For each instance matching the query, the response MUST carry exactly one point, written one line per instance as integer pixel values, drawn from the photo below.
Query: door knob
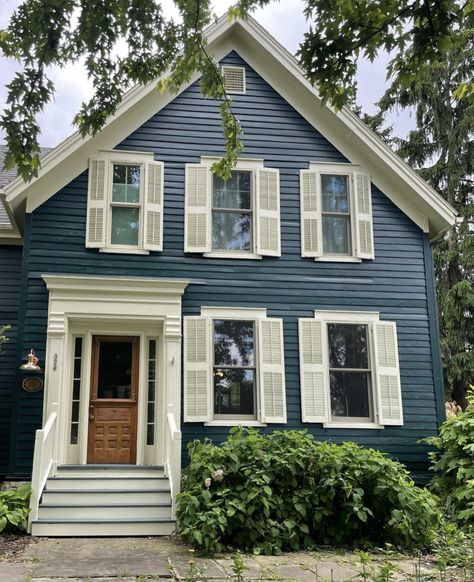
(91, 412)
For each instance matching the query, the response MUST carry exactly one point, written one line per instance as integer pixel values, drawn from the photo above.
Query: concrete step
(107, 483)
(113, 511)
(98, 527)
(105, 497)
(110, 471)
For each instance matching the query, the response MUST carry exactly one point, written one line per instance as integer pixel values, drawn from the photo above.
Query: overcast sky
(284, 20)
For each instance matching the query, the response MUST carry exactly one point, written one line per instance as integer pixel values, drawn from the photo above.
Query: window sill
(370, 425)
(235, 423)
(217, 255)
(337, 260)
(125, 251)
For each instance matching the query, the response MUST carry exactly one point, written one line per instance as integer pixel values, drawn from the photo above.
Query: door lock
(91, 412)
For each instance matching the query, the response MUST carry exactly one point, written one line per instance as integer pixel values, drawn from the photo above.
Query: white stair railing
(173, 459)
(44, 460)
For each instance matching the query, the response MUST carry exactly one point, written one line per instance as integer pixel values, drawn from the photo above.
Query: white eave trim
(343, 129)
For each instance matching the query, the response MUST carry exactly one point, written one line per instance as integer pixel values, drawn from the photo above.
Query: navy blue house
(164, 304)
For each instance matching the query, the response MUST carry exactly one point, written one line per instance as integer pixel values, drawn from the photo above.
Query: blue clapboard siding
(288, 286)
(10, 274)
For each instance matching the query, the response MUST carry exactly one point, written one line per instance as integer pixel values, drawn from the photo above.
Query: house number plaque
(32, 384)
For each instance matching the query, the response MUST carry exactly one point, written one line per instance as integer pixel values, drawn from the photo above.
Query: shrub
(14, 507)
(453, 463)
(269, 493)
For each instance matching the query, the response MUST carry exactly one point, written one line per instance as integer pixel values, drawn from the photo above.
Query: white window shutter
(363, 218)
(268, 212)
(310, 213)
(153, 207)
(197, 370)
(387, 372)
(314, 380)
(197, 218)
(271, 370)
(96, 204)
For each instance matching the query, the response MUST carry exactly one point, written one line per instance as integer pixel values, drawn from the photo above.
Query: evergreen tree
(441, 147)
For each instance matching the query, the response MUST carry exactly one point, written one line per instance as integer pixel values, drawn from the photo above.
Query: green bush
(14, 507)
(268, 493)
(453, 464)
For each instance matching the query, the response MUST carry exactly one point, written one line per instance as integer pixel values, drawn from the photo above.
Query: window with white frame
(349, 370)
(234, 367)
(238, 217)
(125, 203)
(336, 213)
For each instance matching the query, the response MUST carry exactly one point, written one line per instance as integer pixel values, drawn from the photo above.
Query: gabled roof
(279, 68)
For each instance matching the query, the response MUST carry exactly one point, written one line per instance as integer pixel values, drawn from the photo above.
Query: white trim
(237, 422)
(347, 316)
(355, 424)
(232, 255)
(125, 156)
(278, 67)
(245, 313)
(124, 250)
(337, 258)
(249, 164)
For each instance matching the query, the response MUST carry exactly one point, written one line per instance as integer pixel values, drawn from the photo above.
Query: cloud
(283, 20)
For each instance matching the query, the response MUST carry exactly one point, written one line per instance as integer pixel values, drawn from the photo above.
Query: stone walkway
(144, 559)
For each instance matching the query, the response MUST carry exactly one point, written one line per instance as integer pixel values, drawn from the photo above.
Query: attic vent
(234, 79)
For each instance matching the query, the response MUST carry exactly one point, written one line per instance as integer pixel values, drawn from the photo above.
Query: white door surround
(91, 305)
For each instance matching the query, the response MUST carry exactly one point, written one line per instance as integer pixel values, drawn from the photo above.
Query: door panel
(113, 402)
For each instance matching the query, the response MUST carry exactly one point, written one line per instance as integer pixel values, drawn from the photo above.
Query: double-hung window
(349, 370)
(235, 218)
(234, 367)
(125, 203)
(336, 213)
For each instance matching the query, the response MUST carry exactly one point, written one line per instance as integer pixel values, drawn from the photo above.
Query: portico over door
(113, 409)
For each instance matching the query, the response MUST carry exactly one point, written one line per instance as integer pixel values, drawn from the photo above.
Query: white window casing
(387, 369)
(197, 211)
(197, 369)
(270, 367)
(272, 370)
(360, 204)
(268, 212)
(363, 217)
(314, 370)
(153, 207)
(97, 204)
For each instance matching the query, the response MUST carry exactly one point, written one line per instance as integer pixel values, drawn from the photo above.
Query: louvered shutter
(197, 370)
(387, 373)
(96, 204)
(272, 370)
(268, 212)
(364, 222)
(153, 207)
(313, 375)
(310, 213)
(197, 220)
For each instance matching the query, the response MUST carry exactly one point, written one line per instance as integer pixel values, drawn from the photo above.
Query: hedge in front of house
(284, 491)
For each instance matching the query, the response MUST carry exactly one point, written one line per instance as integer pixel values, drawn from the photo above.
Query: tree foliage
(3, 338)
(441, 147)
(122, 42)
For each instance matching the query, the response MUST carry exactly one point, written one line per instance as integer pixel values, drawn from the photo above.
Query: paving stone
(253, 570)
(14, 572)
(210, 568)
(293, 572)
(87, 579)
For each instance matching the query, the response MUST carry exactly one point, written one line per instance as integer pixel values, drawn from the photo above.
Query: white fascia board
(345, 131)
(279, 68)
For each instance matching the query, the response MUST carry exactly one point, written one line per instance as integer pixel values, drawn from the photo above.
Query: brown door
(113, 402)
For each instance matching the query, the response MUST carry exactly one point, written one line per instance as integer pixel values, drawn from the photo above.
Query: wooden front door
(113, 401)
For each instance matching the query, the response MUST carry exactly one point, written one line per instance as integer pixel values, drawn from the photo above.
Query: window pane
(350, 394)
(231, 231)
(334, 191)
(115, 370)
(233, 343)
(336, 235)
(233, 391)
(235, 193)
(348, 346)
(125, 222)
(126, 183)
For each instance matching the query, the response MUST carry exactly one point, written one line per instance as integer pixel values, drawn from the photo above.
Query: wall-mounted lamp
(32, 364)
